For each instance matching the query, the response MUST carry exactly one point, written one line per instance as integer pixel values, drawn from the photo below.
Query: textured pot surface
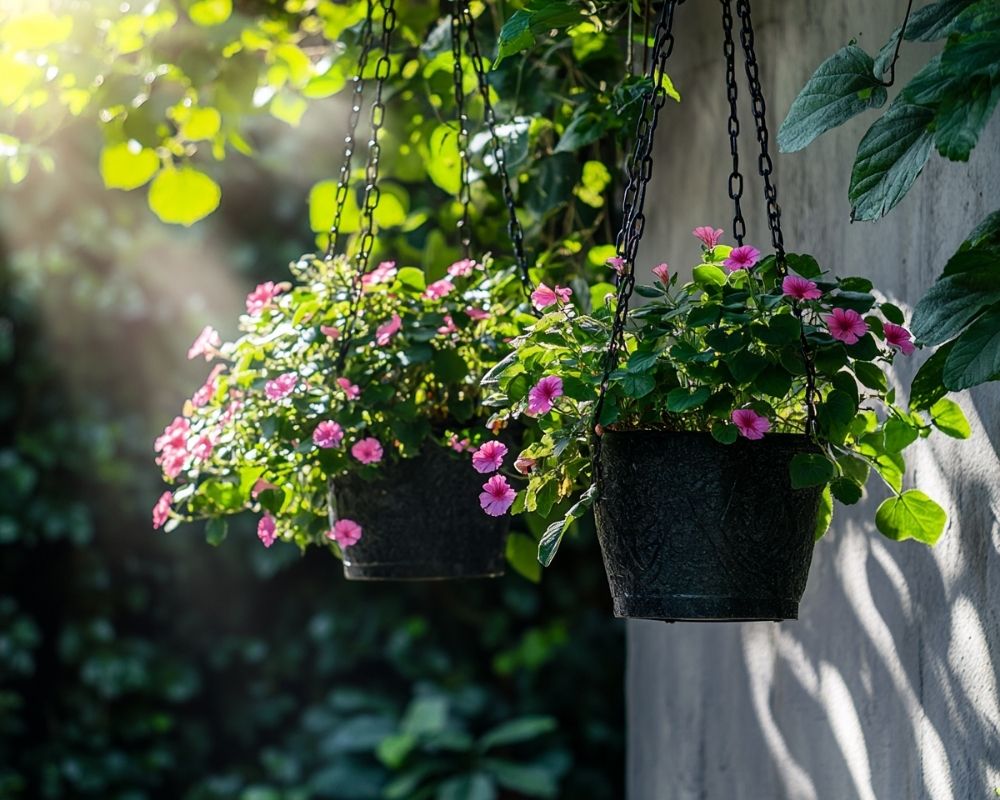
(692, 529)
(422, 521)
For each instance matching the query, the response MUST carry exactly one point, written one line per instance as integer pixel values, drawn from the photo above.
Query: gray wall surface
(886, 687)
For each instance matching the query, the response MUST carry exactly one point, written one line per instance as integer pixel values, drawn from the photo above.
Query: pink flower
(367, 451)
(845, 324)
(345, 532)
(265, 530)
(282, 386)
(751, 424)
(206, 343)
(543, 296)
(448, 327)
(383, 273)
(525, 465)
(489, 457)
(204, 394)
(800, 288)
(261, 297)
(172, 462)
(202, 447)
(174, 436)
(261, 486)
(328, 434)
(543, 394)
(663, 273)
(330, 331)
(458, 445)
(497, 496)
(387, 330)
(617, 263)
(742, 258)
(709, 236)
(477, 313)
(897, 336)
(161, 511)
(439, 289)
(462, 269)
(352, 390)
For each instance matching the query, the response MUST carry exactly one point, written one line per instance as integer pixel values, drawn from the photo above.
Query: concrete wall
(887, 685)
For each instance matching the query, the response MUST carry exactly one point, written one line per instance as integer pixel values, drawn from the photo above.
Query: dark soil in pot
(421, 520)
(692, 529)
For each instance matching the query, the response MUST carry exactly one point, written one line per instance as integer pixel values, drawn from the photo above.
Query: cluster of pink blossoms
(497, 496)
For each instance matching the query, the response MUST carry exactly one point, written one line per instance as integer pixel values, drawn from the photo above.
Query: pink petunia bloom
(800, 288)
(709, 236)
(282, 386)
(544, 393)
(463, 268)
(383, 273)
(328, 434)
(345, 532)
(172, 462)
(751, 424)
(367, 451)
(458, 445)
(543, 296)
(489, 457)
(330, 331)
(477, 313)
(204, 394)
(201, 448)
(352, 390)
(439, 289)
(206, 343)
(497, 496)
(385, 331)
(266, 530)
(524, 465)
(449, 326)
(897, 336)
(261, 297)
(846, 324)
(617, 263)
(662, 271)
(161, 511)
(174, 436)
(742, 258)
(261, 486)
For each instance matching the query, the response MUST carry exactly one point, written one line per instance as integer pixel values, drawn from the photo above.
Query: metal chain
(639, 171)
(372, 193)
(464, 191)
(514, 229)
(357, 96)
(732, 92)
(765, 167)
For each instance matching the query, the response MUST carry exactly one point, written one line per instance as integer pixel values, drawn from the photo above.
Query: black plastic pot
(692, 529)
(421, 520)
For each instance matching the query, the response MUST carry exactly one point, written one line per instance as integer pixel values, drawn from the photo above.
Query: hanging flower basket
(423, 522)
(694, 529)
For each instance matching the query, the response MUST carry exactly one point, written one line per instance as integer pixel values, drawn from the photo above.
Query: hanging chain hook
(899, 43)
(732, 93)
(464, 191)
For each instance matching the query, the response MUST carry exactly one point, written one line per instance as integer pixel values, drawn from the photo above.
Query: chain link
(639, 171)
(464, 191)
(357, 96)
(732, 93)
(514, 229)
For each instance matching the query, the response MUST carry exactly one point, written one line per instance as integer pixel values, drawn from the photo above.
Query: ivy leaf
(975, 358)
(125, 166)
(811, 469)
(184, 195)
(841, 87)
(948, 417)
(890, 157)
(912, 515)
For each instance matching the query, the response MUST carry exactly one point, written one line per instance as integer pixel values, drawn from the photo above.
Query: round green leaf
(912, 515)
(183, 196)
(811, 469)
(949, 418)
(210, 12)
(125, 166)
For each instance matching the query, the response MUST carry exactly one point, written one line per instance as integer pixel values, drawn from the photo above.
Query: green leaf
(745, 365)
(952, 302)
(682, 399)
(912, 515)
(449, 366)
(803, 264)
(322, 208)
(928, 384)
(216, 530)
(539, 17)
(126, 166)
(870, 375)
(708, 275)
(642, 361)
(724, 432)
(210, 12)
(782, 329)
(444, 161)
(182, 196)
(824, 515)
(890, 157)
(522, 729)
(948, 417)
(526, 779)
(846, 491)
(899, 435)
(412, 278)
(548, 545)
(961, 118)
(811, 469)
(638, 384)
(841, 87)
(934, 21)
(522, 555)
(472, 786)
(975, 358)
